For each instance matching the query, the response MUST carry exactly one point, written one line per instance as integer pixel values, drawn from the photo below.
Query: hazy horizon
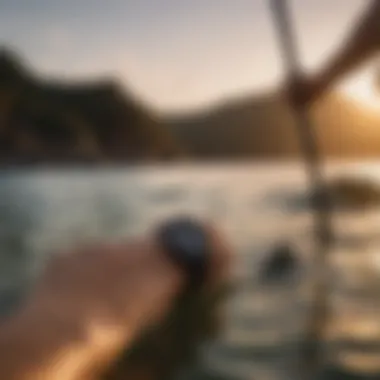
(176, 55)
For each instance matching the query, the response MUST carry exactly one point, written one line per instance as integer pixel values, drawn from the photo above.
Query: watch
(187, 243)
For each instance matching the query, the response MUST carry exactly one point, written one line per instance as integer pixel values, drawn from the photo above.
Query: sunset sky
(176, 54)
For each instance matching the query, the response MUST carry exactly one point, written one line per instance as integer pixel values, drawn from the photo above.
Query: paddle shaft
(321, 205)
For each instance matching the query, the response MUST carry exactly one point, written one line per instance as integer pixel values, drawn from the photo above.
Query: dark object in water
(345, 193)
(281, 264)
(354, 193)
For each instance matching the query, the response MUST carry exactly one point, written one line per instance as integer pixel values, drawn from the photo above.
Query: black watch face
(190, 238)
(187, 242)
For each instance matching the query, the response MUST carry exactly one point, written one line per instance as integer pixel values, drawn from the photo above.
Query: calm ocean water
(43, 211)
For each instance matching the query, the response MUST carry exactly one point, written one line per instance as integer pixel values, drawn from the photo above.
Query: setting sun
(363, 89)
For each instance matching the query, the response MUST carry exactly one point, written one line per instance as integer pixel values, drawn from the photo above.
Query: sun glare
(363, 90)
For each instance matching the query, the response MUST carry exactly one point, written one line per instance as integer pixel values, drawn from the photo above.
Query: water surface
(44, 211)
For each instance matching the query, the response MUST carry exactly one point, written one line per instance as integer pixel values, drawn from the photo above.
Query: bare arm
(75, 325)
(360, 45)
(81, 316)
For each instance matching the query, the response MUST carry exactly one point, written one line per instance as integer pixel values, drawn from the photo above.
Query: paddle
(312, 355)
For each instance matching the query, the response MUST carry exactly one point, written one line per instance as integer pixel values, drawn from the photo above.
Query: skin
(360, 45)
(81, 317)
